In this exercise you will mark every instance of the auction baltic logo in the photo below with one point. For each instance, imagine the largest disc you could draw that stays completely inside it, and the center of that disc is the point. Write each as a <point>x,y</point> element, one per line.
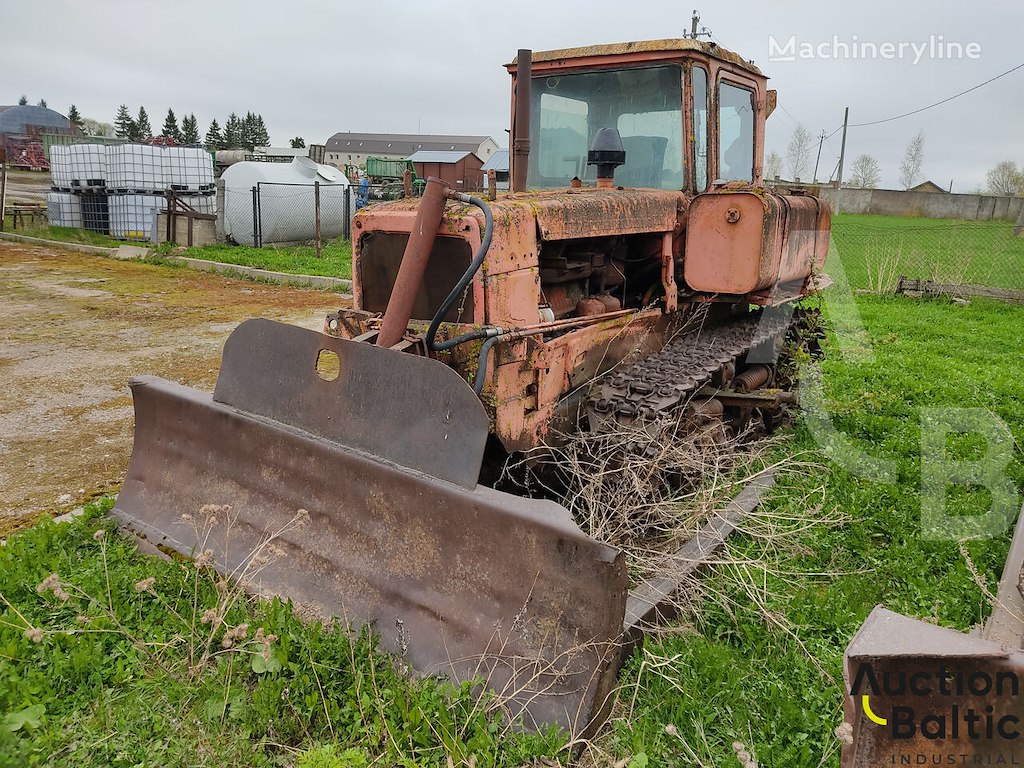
<point>966,704</point>
<point>936,47</point>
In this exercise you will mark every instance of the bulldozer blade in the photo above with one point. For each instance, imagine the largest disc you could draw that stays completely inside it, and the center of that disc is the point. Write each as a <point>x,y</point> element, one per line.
<point>455,578</point>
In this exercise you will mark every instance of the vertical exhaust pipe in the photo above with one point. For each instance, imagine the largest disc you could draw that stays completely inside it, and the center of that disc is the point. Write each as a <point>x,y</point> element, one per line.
<point>521,123</point>
<point>414,263</point>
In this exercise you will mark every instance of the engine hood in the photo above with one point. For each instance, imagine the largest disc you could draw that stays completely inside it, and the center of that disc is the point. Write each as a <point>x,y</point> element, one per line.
<point>569,214</point>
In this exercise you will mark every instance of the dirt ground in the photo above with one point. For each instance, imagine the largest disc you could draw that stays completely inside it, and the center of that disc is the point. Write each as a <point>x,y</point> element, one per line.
<point>73,329</point>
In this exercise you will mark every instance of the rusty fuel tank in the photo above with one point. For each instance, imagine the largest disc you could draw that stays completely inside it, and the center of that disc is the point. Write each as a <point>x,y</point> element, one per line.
<point>741,242</point>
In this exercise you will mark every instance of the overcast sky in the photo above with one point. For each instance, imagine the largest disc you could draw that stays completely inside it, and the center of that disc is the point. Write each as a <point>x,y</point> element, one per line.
<point>312,69</point>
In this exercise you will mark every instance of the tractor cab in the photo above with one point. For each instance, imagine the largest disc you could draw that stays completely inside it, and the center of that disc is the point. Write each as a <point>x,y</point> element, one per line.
<point>687,112</point>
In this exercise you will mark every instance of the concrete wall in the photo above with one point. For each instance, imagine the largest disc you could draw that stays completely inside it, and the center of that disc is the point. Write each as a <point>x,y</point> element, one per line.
<point>930,205</point>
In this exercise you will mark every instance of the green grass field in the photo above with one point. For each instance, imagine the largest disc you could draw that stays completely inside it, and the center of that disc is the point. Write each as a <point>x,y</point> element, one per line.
<point>65,235</point>
<point>764,666</point>
<point>110,677</point>
<point>759,662</point>
<point>335,259</point>
<point>876,250</point>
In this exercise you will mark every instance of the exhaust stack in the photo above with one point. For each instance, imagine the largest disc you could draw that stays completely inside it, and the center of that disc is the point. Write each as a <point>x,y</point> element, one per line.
<point>521,123</point>
<point>414,263</point>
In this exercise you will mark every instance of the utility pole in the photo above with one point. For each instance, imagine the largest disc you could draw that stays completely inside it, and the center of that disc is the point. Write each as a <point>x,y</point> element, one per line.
<point>842,157</point>
<point>821,140</point>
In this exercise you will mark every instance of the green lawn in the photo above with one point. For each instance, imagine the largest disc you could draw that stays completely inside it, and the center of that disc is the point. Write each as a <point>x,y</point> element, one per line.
<point>66,235</point>
<point>759,662</point>
<point>763,666</point>
<point>335,259</point>
<point>876,250</point>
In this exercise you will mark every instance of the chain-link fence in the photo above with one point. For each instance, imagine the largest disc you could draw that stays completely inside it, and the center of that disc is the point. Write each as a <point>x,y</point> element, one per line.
<point>274,212</point>
<point>885,254</point>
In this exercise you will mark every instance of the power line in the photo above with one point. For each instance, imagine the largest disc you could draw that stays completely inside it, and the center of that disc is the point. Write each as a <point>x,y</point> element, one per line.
<point>937,103</point>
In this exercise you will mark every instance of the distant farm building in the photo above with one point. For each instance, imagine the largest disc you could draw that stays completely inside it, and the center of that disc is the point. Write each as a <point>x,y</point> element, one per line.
<point>499,164</point>
<point>927,186</point>
<point>21,132</point>
<point>462,170</point>
<point>344,149</point>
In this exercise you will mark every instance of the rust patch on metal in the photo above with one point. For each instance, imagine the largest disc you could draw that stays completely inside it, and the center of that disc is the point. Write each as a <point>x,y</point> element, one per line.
<point>595,213</point>
<point>666,46</point>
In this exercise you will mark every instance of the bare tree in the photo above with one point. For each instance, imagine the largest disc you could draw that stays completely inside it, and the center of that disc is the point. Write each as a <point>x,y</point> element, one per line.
<point>910,168</point>
<point>865,172</point>
<point>92,127</point>
<point>773,165</point>
<point>1006,179</point>
<point>798,152</point>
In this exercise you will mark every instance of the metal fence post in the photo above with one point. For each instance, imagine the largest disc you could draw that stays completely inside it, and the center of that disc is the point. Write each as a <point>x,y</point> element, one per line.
<point>255,214</point>
<point>316,210</point>
<point>3,194</point>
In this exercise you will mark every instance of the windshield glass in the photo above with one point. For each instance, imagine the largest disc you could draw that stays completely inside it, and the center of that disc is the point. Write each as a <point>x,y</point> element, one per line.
<point>645,105</point>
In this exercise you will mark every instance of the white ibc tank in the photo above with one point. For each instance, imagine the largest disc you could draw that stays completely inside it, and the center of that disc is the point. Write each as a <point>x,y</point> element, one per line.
<point>286,201</point>
<point>60,167</point>
<point>135,168</point>
<point>88,165</point>
<point>188,169</point>
<point>64,209</point>
<point>132,216</point>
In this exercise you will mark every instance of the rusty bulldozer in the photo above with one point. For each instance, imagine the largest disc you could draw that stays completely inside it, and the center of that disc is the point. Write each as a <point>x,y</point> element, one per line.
<point>637,272</point>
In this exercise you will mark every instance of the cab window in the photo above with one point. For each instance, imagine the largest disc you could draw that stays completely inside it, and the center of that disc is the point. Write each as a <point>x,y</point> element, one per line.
<point>735,133</point>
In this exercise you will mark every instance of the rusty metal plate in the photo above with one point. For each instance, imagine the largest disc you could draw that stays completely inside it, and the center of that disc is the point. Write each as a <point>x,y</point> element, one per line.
<point>456,581</point>
<point>600,212</point>
<point>934,696</point>
<point>409,410</point>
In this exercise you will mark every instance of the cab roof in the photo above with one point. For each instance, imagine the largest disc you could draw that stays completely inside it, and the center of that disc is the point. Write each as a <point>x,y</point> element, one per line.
<point>671,45</point>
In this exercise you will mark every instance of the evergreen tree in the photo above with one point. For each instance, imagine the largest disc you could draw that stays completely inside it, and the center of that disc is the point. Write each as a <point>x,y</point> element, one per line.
<point>298,143</point>
<point>23,101</point>
<point>143,128</point>
<point>170,129</point>
<point>233,137</point>
<point>74,117</point>
<point>214,138</point>
<point>123,123</point>
<point>42,103</point>
<point>134,133</point>
<point>189,130</point>
<point>259,135</point>
<point>248,130</point>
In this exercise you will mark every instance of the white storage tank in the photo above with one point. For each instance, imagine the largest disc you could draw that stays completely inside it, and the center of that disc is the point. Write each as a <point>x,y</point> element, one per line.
<point>286,201</point>
<point>188,169</point>
<point>135,168</point>
<point>64,209</point>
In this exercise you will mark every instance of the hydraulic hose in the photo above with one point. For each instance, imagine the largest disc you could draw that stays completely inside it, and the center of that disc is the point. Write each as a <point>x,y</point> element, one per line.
<point>460,286</point>
<point>481,367</point>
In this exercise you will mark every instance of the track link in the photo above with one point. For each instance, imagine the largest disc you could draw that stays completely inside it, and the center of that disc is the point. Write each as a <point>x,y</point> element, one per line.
<point>663,382</point>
